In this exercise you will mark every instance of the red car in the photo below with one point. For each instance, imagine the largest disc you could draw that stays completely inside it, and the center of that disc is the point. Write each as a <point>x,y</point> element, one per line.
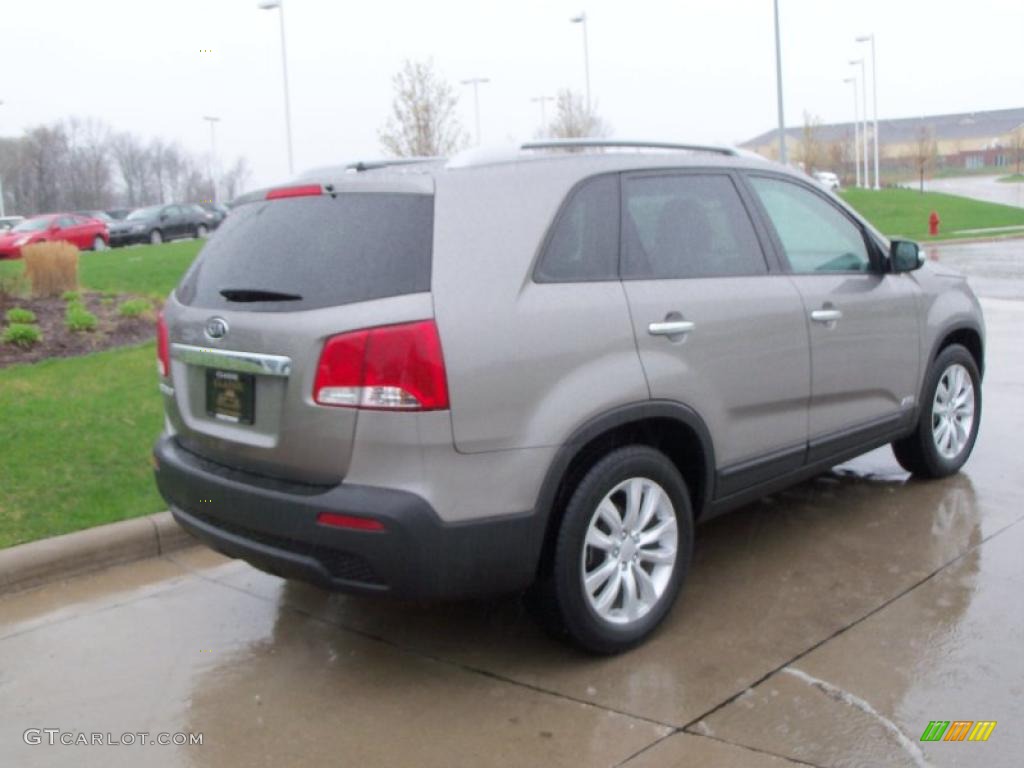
<point>81,231</point>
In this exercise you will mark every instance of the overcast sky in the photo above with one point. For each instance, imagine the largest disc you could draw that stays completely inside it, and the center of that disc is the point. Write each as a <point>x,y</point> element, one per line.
<point>698,70</point>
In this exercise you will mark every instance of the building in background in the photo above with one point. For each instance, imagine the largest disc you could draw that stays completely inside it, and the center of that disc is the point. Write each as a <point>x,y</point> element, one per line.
<point>971,141</point>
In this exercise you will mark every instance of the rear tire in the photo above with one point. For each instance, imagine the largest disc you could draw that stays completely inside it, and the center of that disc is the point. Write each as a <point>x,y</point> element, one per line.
<point>155,237</point>
<point>201,231</point>
<point>614,577</point>
<point>947,427</point>
<point>99,244</point>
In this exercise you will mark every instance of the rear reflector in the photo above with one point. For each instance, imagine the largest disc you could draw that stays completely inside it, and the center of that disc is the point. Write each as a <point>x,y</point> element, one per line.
<point>163,356</point>
<point>348,521</point>
<point>302,191</point>
<point>393,367</point>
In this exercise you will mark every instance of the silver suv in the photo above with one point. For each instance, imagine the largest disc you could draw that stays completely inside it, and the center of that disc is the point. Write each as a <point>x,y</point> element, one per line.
<point>542,368</point>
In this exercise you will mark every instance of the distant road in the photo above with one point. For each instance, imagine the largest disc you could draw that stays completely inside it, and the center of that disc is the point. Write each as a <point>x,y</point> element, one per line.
<point>980,188</point>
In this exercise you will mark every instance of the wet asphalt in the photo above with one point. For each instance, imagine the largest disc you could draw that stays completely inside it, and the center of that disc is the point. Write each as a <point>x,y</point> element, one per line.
<point>826,625</point>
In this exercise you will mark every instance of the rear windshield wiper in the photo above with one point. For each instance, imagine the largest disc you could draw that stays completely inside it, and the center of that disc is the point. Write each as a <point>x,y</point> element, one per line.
<point>254,294</point>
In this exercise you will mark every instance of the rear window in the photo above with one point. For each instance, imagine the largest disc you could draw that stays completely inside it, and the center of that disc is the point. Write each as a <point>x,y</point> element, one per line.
<point>311,252</point>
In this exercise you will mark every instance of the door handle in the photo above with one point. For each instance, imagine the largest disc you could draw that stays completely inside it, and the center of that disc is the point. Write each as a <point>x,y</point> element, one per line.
<point>826,315</point>
<point>670,328</point>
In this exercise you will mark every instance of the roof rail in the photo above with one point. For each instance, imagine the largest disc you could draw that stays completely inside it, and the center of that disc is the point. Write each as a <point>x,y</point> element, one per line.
<point>624,144</point>
<point>388,162</point>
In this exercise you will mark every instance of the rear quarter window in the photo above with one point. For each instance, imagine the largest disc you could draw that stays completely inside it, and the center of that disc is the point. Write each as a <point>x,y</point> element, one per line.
<point>583,244</point>
<point>326,250</point>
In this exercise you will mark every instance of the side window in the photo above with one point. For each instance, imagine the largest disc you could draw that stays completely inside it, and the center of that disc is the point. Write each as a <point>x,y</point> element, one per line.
<point>687,226</point>
<point>66,222</point>
<point>584,244</point>
<point>815,235</point>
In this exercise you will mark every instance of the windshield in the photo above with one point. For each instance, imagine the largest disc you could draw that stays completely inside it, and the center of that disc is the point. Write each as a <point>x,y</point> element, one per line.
<point>322,251</point>
<point>33,225</point>
<point>144,213</point>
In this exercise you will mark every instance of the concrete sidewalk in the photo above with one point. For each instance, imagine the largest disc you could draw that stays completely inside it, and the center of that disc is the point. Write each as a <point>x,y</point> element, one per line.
<point>824,626</point>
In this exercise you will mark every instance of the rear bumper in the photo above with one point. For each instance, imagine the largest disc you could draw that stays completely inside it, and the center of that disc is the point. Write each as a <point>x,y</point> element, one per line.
<point>272,525</point>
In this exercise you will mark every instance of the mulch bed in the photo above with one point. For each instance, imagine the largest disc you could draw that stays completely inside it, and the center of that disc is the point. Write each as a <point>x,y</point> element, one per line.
<point>112,330</point>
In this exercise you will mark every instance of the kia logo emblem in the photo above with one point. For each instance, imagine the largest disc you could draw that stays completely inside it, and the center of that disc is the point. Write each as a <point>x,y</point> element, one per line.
<point>216,327</point>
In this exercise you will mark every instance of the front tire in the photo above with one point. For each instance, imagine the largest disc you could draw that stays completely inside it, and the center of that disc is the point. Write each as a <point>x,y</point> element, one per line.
<point>947,428</point>
<point>201,231</point>
<point>155,237</point>
<point>99,244</point>
<point>622,552</point>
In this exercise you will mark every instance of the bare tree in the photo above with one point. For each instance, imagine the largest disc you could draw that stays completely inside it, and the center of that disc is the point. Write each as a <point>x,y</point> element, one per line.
<point>573,120</point>
<point>133,165</point>
<point>924,152</point>
<point>88,179</point>
<point>1017,146</point>
<point>234,180</point>
<point>811,152</point>
<point>423,120</point>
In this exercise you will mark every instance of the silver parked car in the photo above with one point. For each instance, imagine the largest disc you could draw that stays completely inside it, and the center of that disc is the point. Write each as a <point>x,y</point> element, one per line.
<point>542,368</point>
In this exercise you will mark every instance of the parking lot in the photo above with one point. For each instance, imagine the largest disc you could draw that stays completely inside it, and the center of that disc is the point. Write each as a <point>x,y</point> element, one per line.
<point>826,625</point>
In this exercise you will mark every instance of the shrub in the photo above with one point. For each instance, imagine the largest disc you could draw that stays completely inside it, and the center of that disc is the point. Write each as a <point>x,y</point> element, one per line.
<point>52,268</point>
<point>22,335</point>
<point>71,296</point>
<point>78,318</point>
<point>20,315</point>
<point>134,308</point>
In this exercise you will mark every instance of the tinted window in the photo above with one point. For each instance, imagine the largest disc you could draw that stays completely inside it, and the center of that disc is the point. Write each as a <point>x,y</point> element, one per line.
<point>326,250</point>
<point>687,226</point>
<point>584,244</point>
<point>816,236</point>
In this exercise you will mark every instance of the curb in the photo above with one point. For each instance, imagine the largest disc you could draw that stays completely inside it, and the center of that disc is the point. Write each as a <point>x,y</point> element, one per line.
<point>73,554</point>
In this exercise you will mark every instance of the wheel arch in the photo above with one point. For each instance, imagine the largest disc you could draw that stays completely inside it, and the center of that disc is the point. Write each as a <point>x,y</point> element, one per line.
<point>673,428</point>
<point>968,336</point>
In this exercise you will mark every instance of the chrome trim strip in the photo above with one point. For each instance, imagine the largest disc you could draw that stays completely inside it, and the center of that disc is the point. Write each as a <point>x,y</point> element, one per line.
<point>229,360</point>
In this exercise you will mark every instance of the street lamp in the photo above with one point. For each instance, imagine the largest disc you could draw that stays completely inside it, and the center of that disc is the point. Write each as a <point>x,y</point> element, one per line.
<point>269,5</point>
<point>213,154</point>
<point>476,82</point>
<point>582,20</point>
<point>542,100</point>
<point>856,127</point>
<point>2,212</point>
<point>778,87</point>
<point>864,114</point>
<point>874,98</point>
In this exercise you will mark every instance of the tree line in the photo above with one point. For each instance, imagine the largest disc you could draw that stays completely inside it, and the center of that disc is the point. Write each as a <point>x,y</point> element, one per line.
<point>77,164</point>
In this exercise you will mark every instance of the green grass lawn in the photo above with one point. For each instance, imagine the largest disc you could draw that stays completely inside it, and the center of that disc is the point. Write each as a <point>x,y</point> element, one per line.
<point>145,269</point>
<point>76,436</point>
<point>1013,178</point>
<point>905,212</point>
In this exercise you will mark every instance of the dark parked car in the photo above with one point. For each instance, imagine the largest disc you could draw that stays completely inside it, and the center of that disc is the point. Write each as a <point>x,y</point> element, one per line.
<point>119,213</point>
<point>158,223</point>
<point>216,211</point>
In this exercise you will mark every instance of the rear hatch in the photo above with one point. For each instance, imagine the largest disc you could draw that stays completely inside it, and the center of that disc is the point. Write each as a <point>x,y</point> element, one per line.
<point>249,320</point>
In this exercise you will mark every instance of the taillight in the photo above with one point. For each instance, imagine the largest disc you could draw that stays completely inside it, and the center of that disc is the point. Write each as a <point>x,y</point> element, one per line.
<point>163,347</point>
<point>304,190</point>
<point>393,367</point>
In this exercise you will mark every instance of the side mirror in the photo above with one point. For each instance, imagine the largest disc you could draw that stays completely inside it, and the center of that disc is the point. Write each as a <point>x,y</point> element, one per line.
<point>905,256</point>
<point>55,227</point>
<point>163,217</point>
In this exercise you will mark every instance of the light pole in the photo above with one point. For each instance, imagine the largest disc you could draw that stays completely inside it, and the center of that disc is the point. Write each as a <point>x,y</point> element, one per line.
<point>864,115</point>
<point>2,212</point>
<point>582,20</point>
<point>269,5</point>
<point>874,98</point>
<point>542,100</point>
<point>476,82</point>
<point>778,87</point>
<point>856,128</point>
<point>213,153</point>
